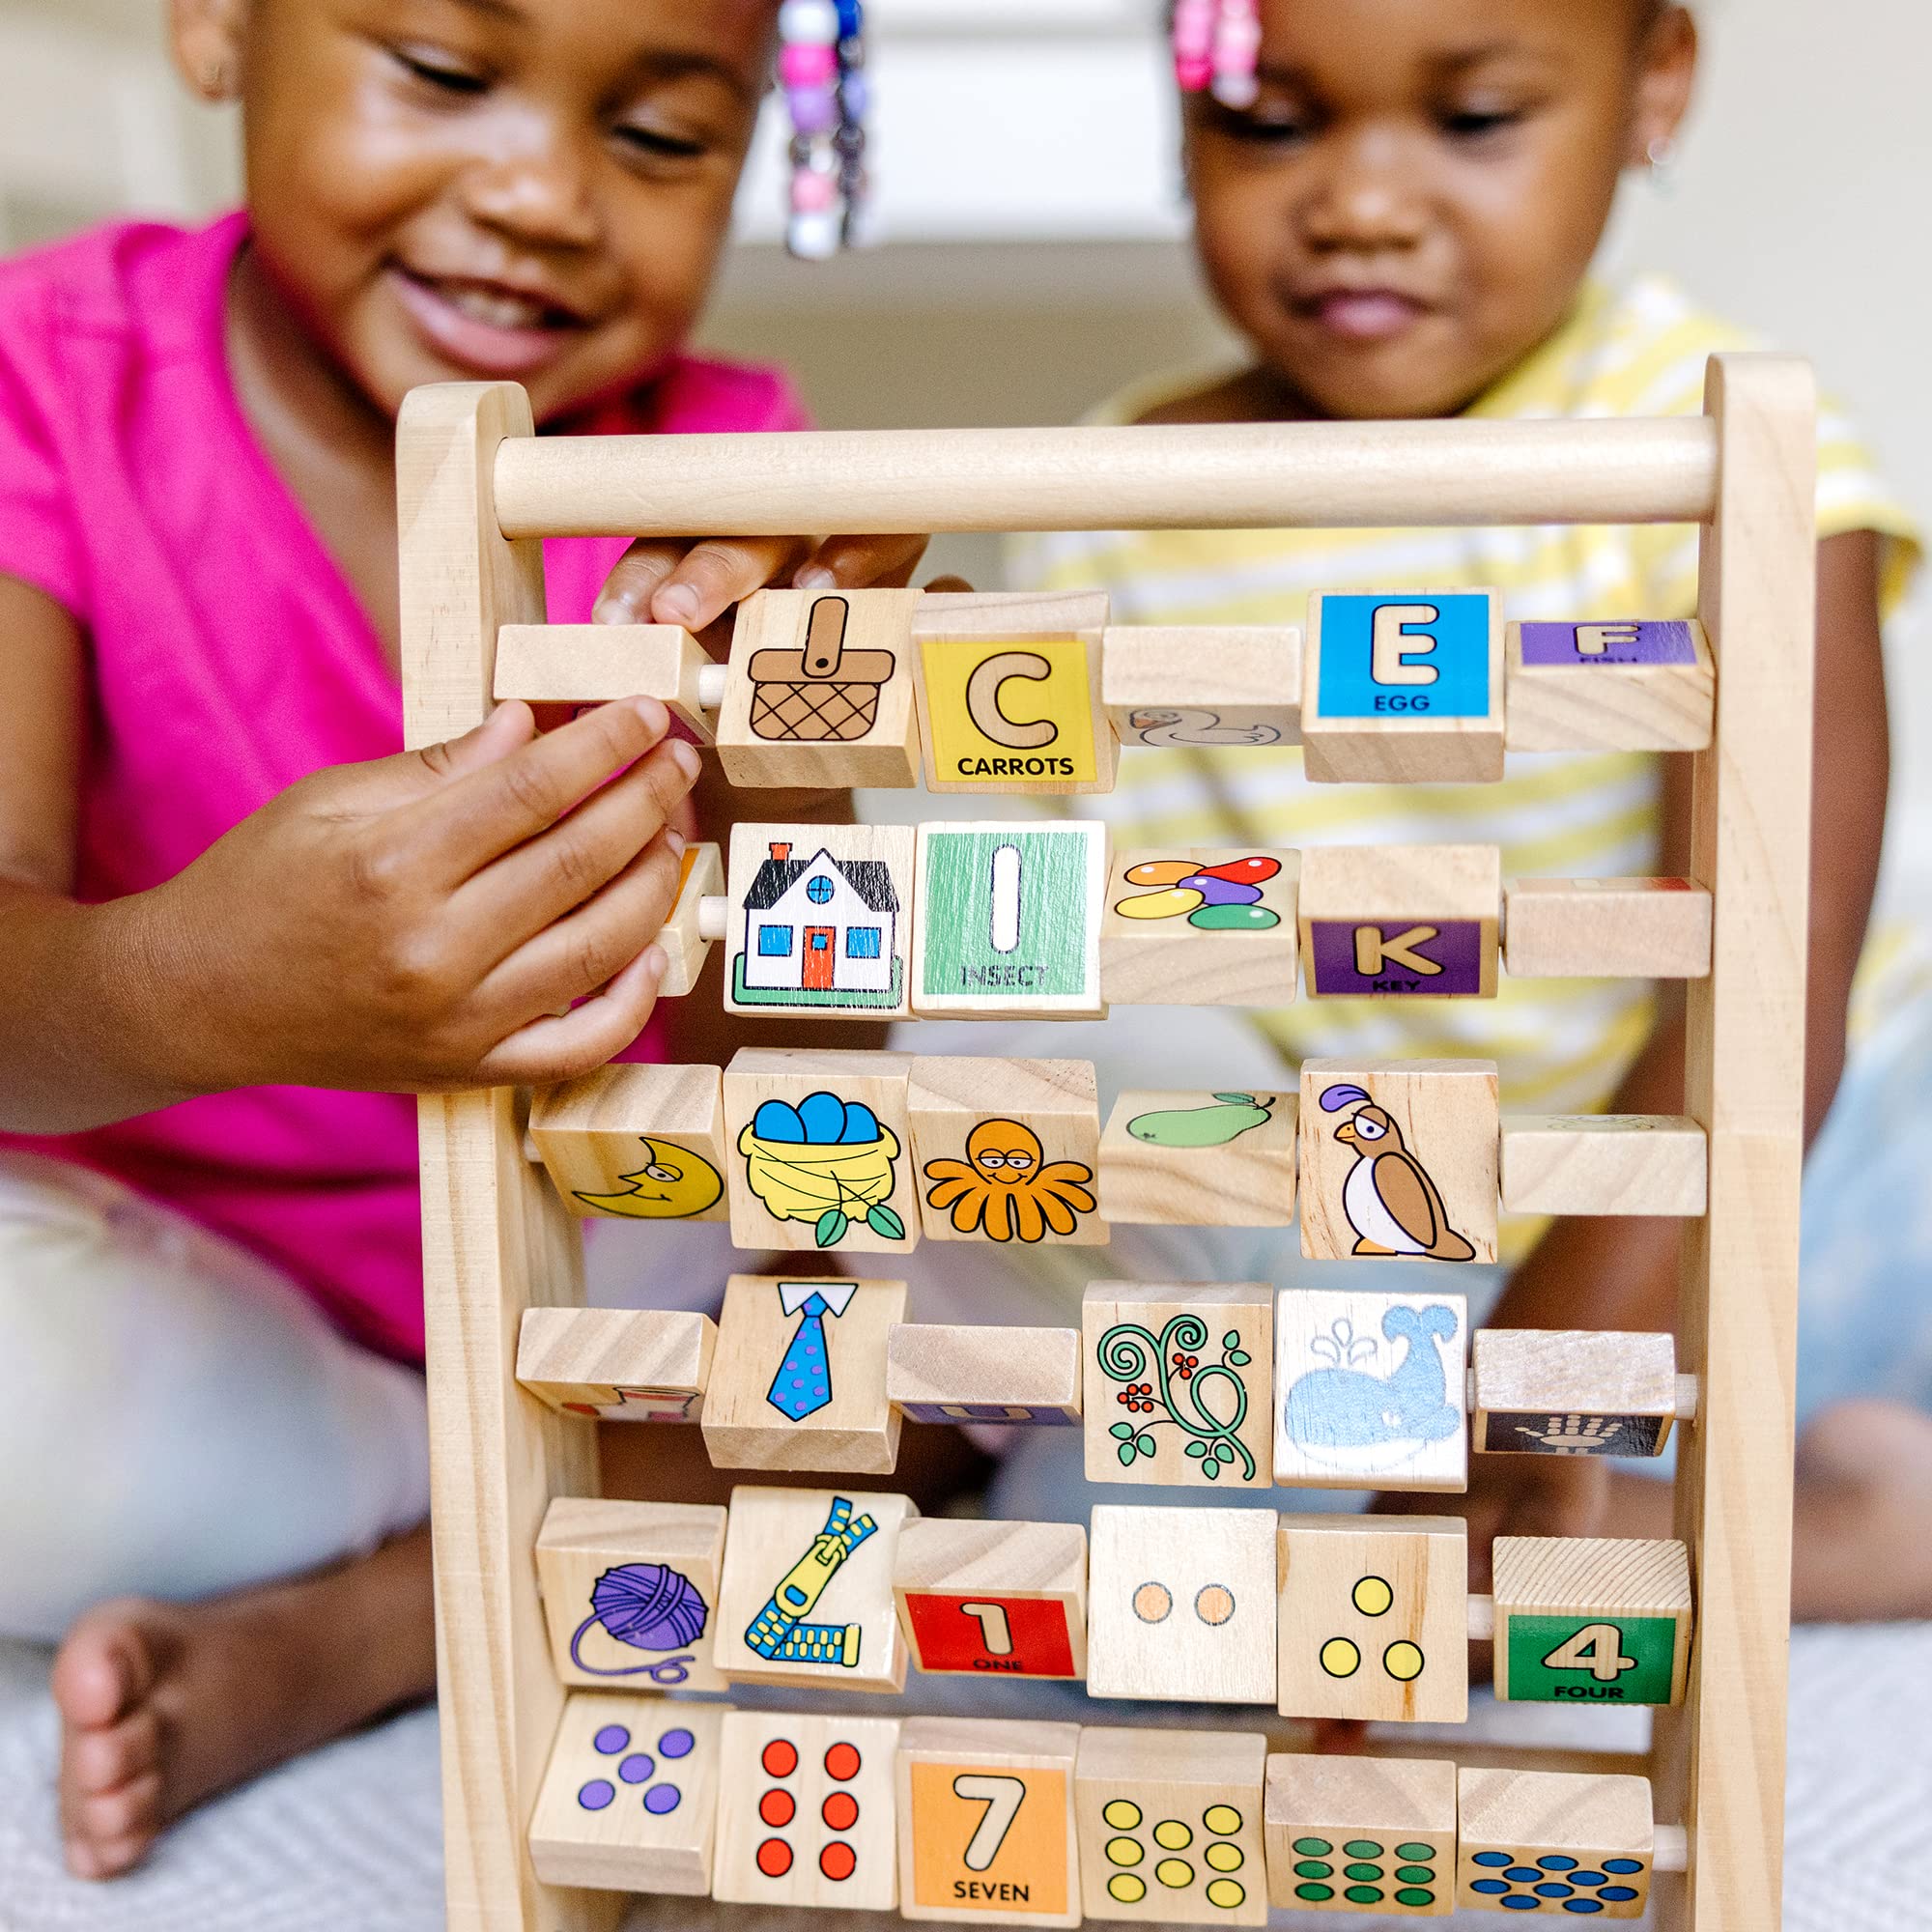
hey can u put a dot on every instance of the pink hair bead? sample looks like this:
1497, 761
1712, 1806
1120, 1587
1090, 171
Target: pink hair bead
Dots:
813, 192
1193, 72
806, 64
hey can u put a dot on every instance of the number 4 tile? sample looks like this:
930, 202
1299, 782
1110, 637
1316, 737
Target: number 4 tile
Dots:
1589, 1619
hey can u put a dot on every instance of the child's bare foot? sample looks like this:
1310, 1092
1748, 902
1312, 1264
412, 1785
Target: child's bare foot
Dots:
163, 1705
1859, 1550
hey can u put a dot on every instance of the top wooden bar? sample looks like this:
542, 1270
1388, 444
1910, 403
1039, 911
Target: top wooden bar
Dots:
1327, 475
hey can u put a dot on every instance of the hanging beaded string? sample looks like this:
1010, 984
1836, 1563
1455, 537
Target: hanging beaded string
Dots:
821, 68
1216, 44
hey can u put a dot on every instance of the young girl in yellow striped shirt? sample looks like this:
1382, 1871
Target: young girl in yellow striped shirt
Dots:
1399, 223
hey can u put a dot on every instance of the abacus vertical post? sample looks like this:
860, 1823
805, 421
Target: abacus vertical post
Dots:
495, 1238
1718, 1763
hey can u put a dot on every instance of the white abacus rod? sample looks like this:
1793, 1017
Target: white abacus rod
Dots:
713, 916
712, 679
1482, 1618
1180, 476
1669, 1848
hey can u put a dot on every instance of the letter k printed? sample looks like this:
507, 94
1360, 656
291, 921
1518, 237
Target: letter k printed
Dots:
803, 1384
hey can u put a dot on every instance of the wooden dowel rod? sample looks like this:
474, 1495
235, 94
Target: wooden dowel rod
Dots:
1315, 475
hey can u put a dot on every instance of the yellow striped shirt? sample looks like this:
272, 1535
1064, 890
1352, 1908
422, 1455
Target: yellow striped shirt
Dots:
1562, 1045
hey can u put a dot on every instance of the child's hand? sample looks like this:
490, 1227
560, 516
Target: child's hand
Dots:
419, 922
662, 581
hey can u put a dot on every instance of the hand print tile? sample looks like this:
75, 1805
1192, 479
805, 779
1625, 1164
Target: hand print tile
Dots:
1178, 1383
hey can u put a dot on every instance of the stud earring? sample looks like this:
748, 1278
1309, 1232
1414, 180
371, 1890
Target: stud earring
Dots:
214, 79
1660, 156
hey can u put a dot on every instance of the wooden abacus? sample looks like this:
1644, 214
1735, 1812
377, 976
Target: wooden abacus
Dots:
477, 491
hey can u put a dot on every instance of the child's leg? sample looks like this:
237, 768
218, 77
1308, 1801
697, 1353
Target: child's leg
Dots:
184, 1426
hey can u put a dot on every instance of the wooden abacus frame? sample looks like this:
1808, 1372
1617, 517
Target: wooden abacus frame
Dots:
477, 489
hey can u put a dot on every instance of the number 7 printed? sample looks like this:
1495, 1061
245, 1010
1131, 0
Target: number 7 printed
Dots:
1001, 1798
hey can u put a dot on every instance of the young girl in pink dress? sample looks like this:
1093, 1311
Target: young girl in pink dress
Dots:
237, 925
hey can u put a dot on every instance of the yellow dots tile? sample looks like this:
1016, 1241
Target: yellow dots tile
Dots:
1171, 1825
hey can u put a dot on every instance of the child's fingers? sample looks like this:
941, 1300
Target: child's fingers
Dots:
627, 593
859, 563
561, 1046
540, 881
485, 812
712, 576
585, 951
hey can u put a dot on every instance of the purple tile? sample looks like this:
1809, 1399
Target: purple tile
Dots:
1455, 945
1635, 642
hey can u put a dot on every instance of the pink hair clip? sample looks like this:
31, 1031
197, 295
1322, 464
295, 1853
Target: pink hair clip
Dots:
1216, 44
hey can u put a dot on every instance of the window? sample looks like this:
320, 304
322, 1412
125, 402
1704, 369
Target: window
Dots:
819, 891
775, 941
862, 942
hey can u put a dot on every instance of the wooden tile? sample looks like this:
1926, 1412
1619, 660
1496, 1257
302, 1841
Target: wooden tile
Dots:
799, 1379
591, 664
630, 1592
640, 1143
1210, 926
1374, 1618
1636, 686
993, 1599
822, 1152
1178, 685
807, 1591
1178, 1380
630, 1800
701, 876
1200, 1160
987, 1822
1170, 1826
943, 1373
1573, 1392
1400, 921
1009, 692
820, 690
1607, 928
618, 1364
1362, 1835
1006, 920
1591, 1619
1544, 1841
1399, 1158
820, 919
810, 1813
1603, 1164
1006, 1150
1404, 687
1180, 1604
1369, 1390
